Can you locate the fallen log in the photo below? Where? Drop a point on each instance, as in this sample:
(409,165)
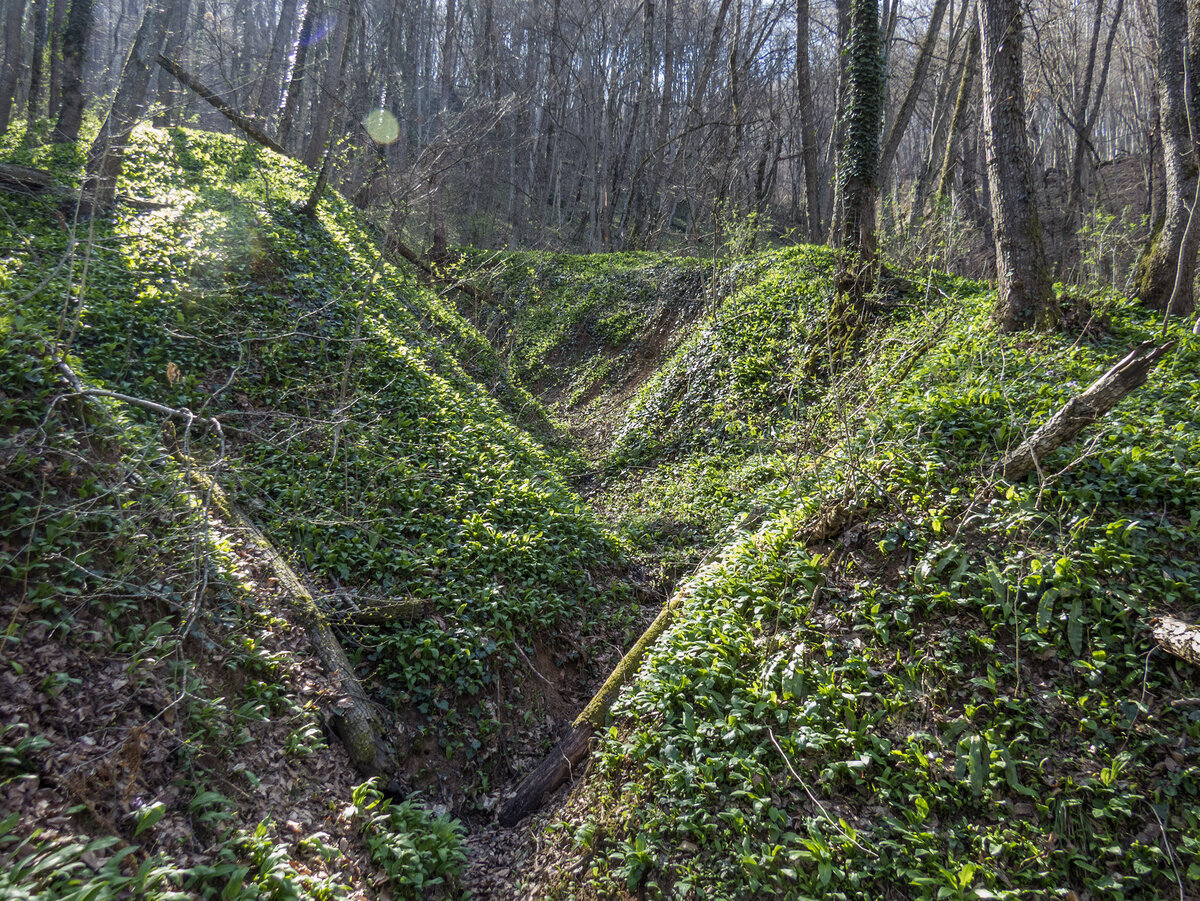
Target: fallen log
(243,122)
(559,765)
(355,719)
(1081,411)
(1177,638)
(31,182)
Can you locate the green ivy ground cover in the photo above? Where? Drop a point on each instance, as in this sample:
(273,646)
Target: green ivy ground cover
(959,696)
(371,429)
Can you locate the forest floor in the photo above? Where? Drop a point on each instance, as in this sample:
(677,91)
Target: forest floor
(894,674)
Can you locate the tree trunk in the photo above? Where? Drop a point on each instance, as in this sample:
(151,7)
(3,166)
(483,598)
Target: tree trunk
(75,42)
(10,73)
(355,719)
(36,68)
(244,123)
(291,106)
(1168,255)
(107,152)
(329,95)
(857,180)
(1177,638)
(958,123)
(1024,291)
(58,18)
(808,127)
(270,94)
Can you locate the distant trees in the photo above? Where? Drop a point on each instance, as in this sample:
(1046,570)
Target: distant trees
(611,124)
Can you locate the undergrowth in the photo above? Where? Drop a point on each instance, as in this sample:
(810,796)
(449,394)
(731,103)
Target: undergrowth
(956,697)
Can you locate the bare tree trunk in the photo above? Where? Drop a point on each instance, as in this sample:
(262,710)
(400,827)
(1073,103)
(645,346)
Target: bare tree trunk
(58,18)
(328,92)
(36,68)
(107,153)
(1081,411)
(808,127)
(270,93)
(1168,255)
(291,106)
(1024,298)
(244,123)
(10,74)
(75,42)
(958,123)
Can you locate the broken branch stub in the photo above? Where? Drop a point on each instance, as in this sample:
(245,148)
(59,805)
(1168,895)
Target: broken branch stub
(1081,411)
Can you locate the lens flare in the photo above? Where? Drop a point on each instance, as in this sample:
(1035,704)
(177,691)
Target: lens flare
(381,126)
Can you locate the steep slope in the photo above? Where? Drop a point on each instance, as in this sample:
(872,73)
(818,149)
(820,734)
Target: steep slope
(370,433)
(954,691)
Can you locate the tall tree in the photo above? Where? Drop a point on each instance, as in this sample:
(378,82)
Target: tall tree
(37,62)
(75,42)
(328,94)
(291,106)
(10,74)
(58,19)
(808,127)
(1024,298)
(107,153)
(270,95)
(859,168)
(1171,256)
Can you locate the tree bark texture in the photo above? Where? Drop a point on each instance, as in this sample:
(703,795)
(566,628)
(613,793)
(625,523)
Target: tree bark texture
(808,128)
(1024,296)
(1179,110)
(37,67)
(328,94)
(1081,411)
(270,94)
(10,73)
(75,42)
(1177,638)
(58,20)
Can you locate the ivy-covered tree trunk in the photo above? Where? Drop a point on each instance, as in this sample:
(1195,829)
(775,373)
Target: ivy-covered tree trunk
(857,180)
(1024,297)
(1171,250)
(107,152)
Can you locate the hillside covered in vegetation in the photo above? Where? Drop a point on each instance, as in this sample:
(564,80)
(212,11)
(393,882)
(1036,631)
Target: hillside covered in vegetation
(235,436)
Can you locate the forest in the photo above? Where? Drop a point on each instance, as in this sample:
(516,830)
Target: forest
(599,449)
